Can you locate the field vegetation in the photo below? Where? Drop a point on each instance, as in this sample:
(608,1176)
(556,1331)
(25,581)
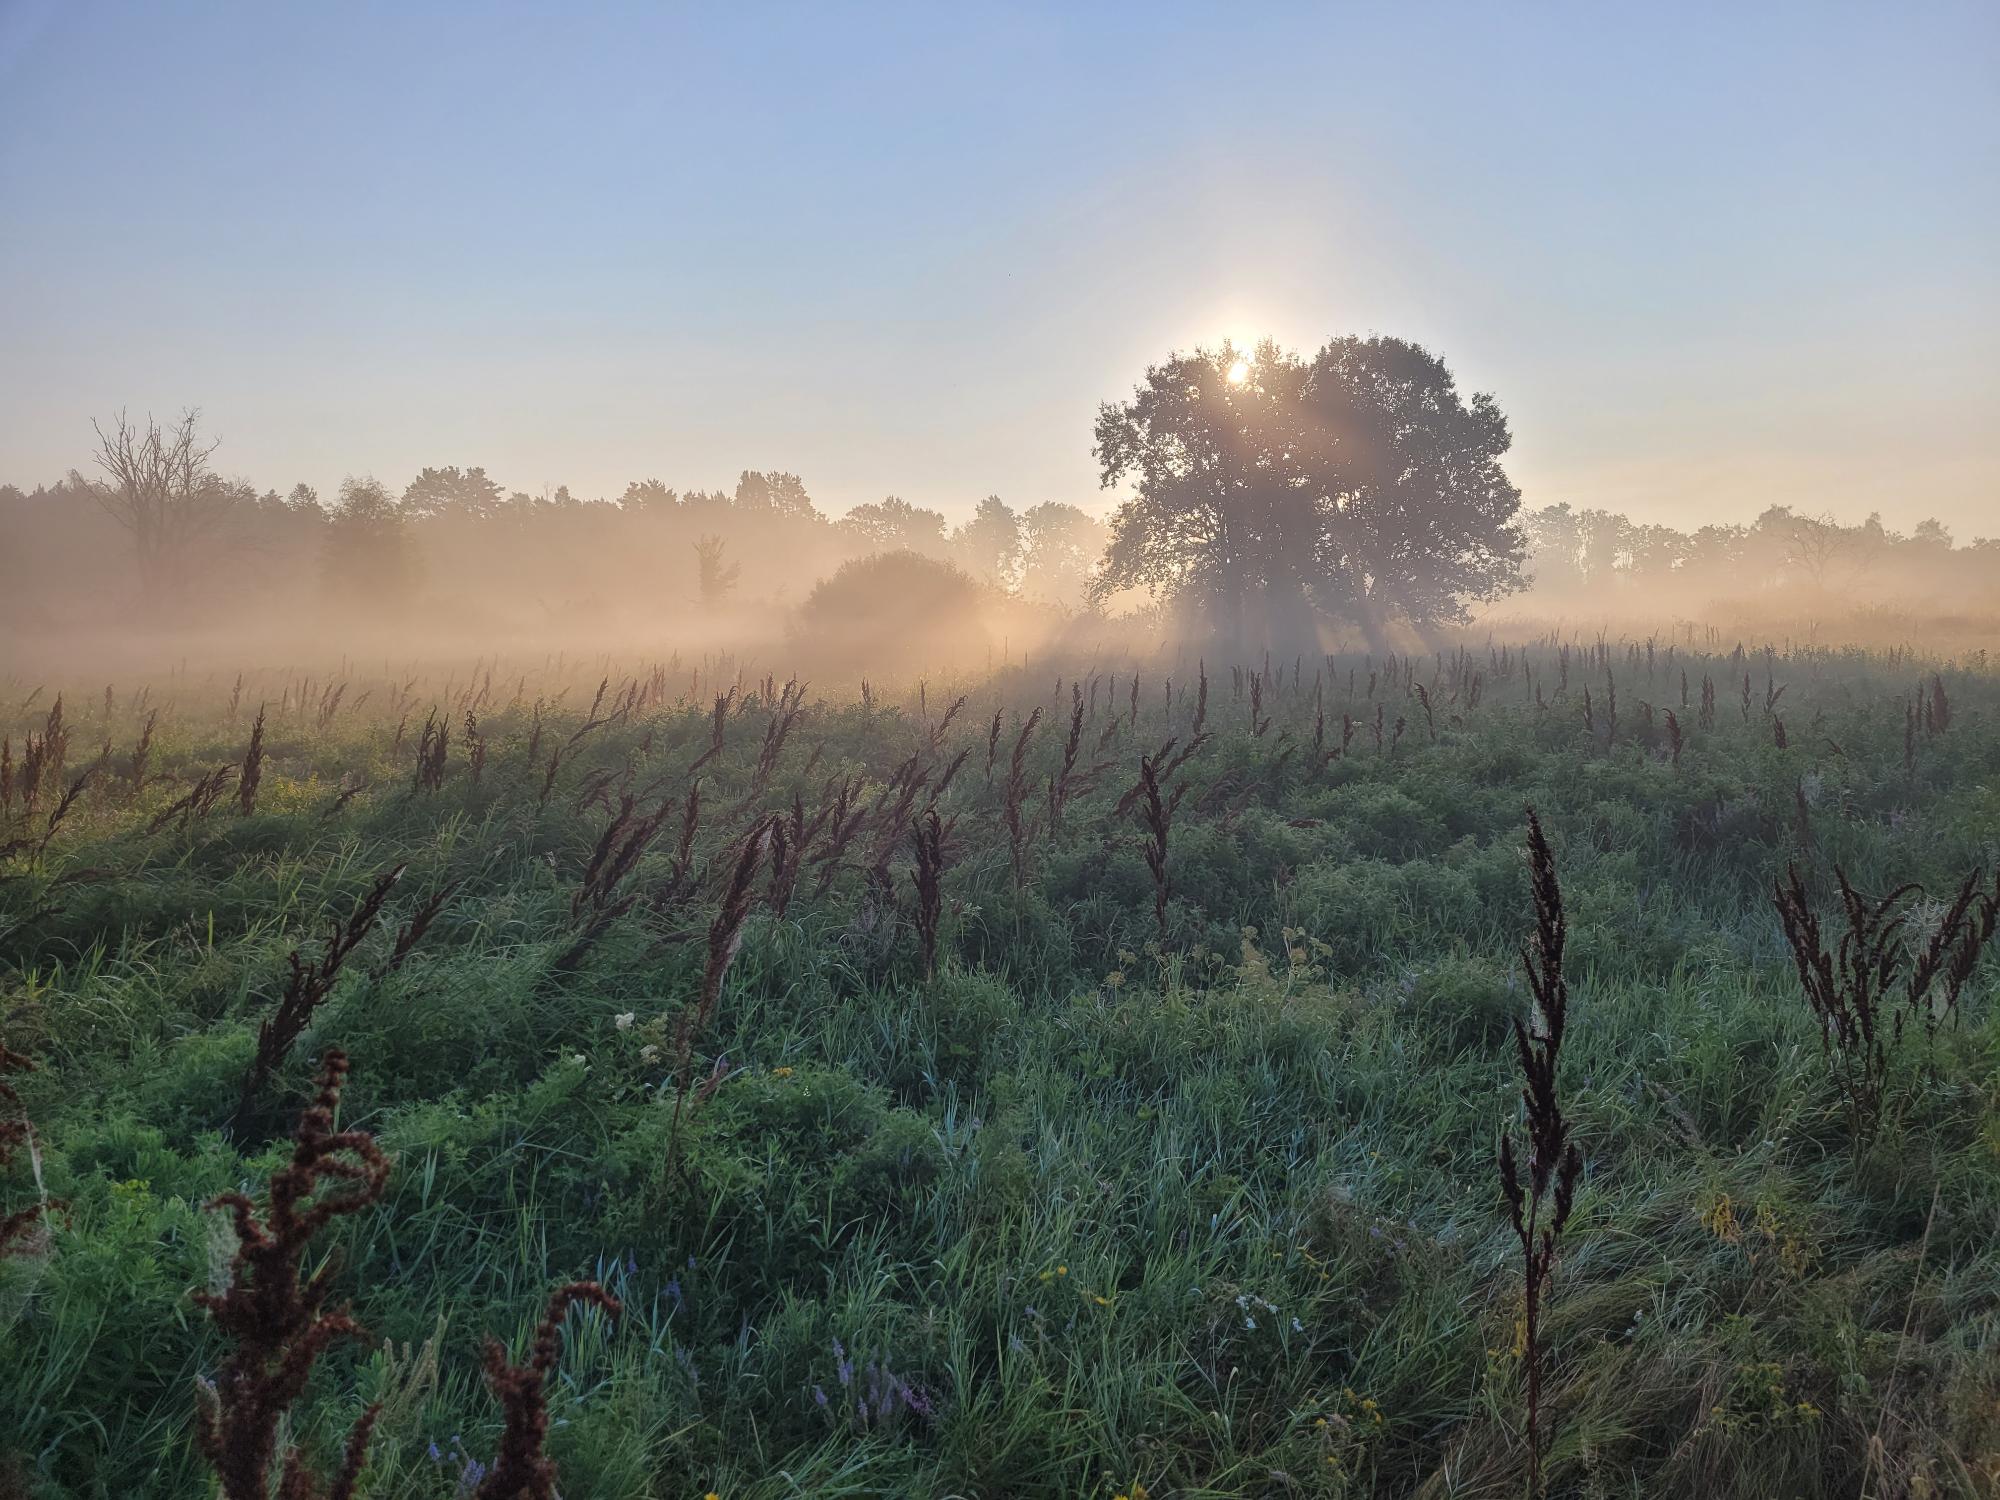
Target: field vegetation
(1089,1080)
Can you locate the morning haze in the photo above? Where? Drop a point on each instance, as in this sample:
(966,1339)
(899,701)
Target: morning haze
(999,752)
(1708,261)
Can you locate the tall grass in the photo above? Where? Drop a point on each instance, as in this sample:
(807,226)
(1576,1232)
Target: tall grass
(1099,1204)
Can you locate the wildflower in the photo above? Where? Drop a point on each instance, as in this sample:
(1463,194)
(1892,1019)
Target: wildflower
(1101,1301)
(624,1019)
(1062,1270)
(781,1072)
(648,1052)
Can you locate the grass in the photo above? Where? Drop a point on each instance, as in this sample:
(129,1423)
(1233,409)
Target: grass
(1196,1197)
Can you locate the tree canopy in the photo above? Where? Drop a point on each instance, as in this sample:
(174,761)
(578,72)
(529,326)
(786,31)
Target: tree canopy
(1271,492)
(989,545)
(452,491)
(895,525)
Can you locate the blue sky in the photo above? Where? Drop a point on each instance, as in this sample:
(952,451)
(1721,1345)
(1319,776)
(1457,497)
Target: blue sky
(1706,258)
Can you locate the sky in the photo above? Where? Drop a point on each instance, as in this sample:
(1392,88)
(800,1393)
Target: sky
(1706,258)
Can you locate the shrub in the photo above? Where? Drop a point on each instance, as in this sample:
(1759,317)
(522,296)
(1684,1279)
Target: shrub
(895,610)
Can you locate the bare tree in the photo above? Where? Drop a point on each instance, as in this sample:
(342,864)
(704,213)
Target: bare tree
(717,577)
(1815,545)
(162,490)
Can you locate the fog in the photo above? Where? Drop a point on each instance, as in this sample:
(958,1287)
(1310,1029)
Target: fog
(146,559)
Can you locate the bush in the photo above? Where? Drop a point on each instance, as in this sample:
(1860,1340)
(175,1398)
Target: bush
(895,610)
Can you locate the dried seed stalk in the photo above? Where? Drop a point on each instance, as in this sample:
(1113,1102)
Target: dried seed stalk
(521,1470)
(306,988)
(1553,1160)
(275,1316)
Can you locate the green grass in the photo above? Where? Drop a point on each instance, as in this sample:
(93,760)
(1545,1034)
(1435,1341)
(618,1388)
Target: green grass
(1216,1216)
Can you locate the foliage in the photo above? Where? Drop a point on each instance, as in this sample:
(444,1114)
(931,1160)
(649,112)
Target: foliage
(1358,486)
(890,610)
(1088,1210)
(367,553)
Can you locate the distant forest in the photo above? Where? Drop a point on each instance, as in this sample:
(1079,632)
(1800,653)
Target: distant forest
(454,538)
(1270,498)
(1573,554)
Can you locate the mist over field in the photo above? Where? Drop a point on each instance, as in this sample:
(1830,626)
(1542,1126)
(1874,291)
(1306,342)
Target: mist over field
(153,556)
(975,753)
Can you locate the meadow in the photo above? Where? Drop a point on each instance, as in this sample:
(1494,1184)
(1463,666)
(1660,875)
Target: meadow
(1082,1081)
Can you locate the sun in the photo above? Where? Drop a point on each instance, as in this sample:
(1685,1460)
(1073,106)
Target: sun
(1239,372)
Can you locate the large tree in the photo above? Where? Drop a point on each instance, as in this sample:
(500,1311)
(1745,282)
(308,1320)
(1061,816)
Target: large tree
(989,545)
(895,525)
(1060,546)
(452,491)
(366,552)
(1269,491)
(161,489)
(649,496)
(774,493)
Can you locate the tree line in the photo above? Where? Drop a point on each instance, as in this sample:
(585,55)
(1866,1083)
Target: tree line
(1268,497)
(159,529)
(1576,554)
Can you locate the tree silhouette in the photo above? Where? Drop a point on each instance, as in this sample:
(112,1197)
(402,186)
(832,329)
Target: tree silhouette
(452,491)
(989,545)
(774,493)
(714,577)
(366,552)
(649,496)
(162,490)
(1060,545)
(894,525)
(1270,492)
